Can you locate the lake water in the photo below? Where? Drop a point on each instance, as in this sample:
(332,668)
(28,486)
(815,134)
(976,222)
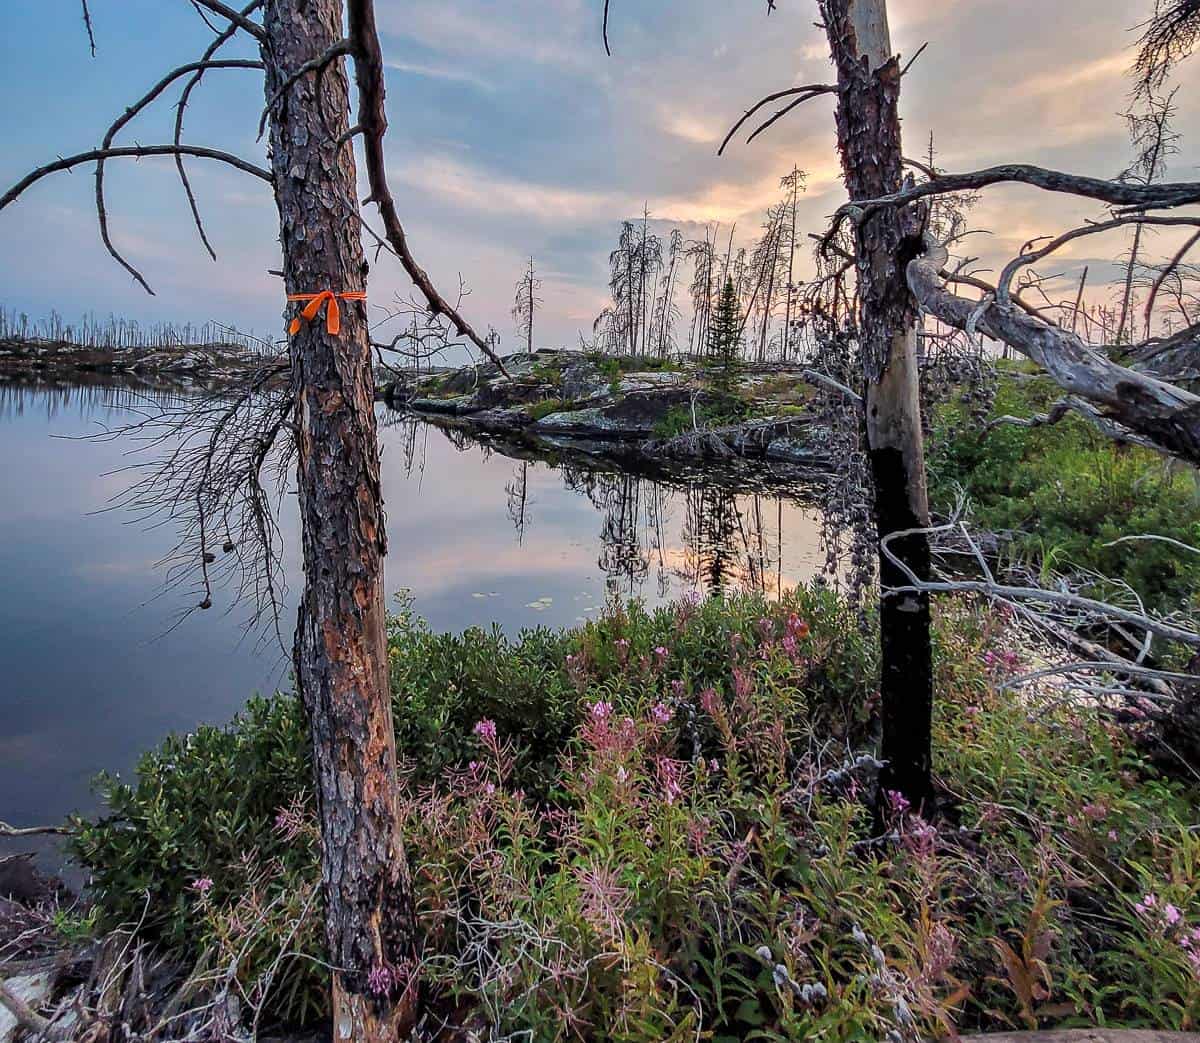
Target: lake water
(90,677)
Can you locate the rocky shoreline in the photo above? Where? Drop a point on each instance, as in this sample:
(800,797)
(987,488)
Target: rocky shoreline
(632,409)
(625,411)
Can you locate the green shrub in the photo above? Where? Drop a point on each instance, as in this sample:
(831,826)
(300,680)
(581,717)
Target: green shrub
(661,831)
(1066,492)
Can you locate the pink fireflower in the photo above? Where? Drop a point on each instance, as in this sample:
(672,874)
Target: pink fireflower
(897,801)
(661,655)
(202,884)
(486,730)
(601,711)
(669,779)
(380,980)
(661,713)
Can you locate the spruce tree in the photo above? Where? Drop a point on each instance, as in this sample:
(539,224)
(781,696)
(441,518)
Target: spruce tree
(725,338)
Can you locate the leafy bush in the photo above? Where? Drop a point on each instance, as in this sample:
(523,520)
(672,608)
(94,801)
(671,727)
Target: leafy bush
(1066,492)
(655,825)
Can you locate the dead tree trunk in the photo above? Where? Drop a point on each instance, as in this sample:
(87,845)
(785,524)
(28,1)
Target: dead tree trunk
(868,126)
(340,651)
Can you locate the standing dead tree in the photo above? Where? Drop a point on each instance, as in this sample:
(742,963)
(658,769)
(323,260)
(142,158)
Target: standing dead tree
(525,304)
(903,279)
(328,419)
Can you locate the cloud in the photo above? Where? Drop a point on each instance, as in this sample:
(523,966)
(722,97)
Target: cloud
(449,73)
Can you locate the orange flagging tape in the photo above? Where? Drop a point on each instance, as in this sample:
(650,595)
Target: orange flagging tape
(333,316)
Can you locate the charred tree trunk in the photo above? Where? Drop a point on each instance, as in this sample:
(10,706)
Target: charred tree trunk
(868,126)
(341,650)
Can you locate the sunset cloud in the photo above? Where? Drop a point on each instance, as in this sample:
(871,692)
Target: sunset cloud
(511,134)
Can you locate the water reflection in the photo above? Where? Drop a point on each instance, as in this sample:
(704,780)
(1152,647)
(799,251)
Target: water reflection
(478,535)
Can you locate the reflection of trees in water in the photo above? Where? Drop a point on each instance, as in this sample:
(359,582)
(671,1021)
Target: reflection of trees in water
(518,500)
(726,540)
(83,399)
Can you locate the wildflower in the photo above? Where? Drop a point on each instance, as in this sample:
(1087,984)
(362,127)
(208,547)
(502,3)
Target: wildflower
(897,802)
(1112,834)
(661,713)
(380,980)
(677,688)
(202,884)
(1172,915)
(708,701)
(622,646)
(661,654)
(743,683)
(486,730)
(797,628)
(973,711)
(989,658)
(1096,810)
(601,711)
(1147,905)
(669,779)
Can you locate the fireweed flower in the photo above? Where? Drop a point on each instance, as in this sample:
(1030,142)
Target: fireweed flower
(661,713)
(669,779)
(897,802)
(486,730)
(380,980)
(677,689)
(708,701)
(661,655)
(601,711)
(202,884)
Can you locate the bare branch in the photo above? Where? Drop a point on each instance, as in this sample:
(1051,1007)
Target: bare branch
(318,65)
(1115,193)
(372,117)
(222,38)
(87,24)
(1033,256)
(604,30)
(33,831)
(124,119)
(811,90)
(1163,275)
(1166,415)
(236,18)
(991,588)
(135,151)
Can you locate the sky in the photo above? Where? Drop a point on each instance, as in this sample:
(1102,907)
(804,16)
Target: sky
(513,135)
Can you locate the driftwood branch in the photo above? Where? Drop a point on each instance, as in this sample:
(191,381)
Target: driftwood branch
(991,588)
(1166,415)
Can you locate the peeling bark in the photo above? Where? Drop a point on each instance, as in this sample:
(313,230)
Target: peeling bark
(340,651)
(868,125)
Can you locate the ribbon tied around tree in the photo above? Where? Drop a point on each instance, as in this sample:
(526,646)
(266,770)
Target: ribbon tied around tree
(327,299)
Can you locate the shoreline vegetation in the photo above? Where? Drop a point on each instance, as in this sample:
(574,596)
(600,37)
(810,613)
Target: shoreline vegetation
(657,826)
(660,824)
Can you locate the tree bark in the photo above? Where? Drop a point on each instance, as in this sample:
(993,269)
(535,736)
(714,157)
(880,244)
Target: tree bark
(868,125)
(341,649)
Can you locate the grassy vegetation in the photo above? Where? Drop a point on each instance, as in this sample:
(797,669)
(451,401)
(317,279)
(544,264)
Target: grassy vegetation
(1066,492)
(615,366)
(542,409)
(655,825)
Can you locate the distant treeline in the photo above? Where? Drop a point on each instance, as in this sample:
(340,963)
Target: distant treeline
(114,332)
